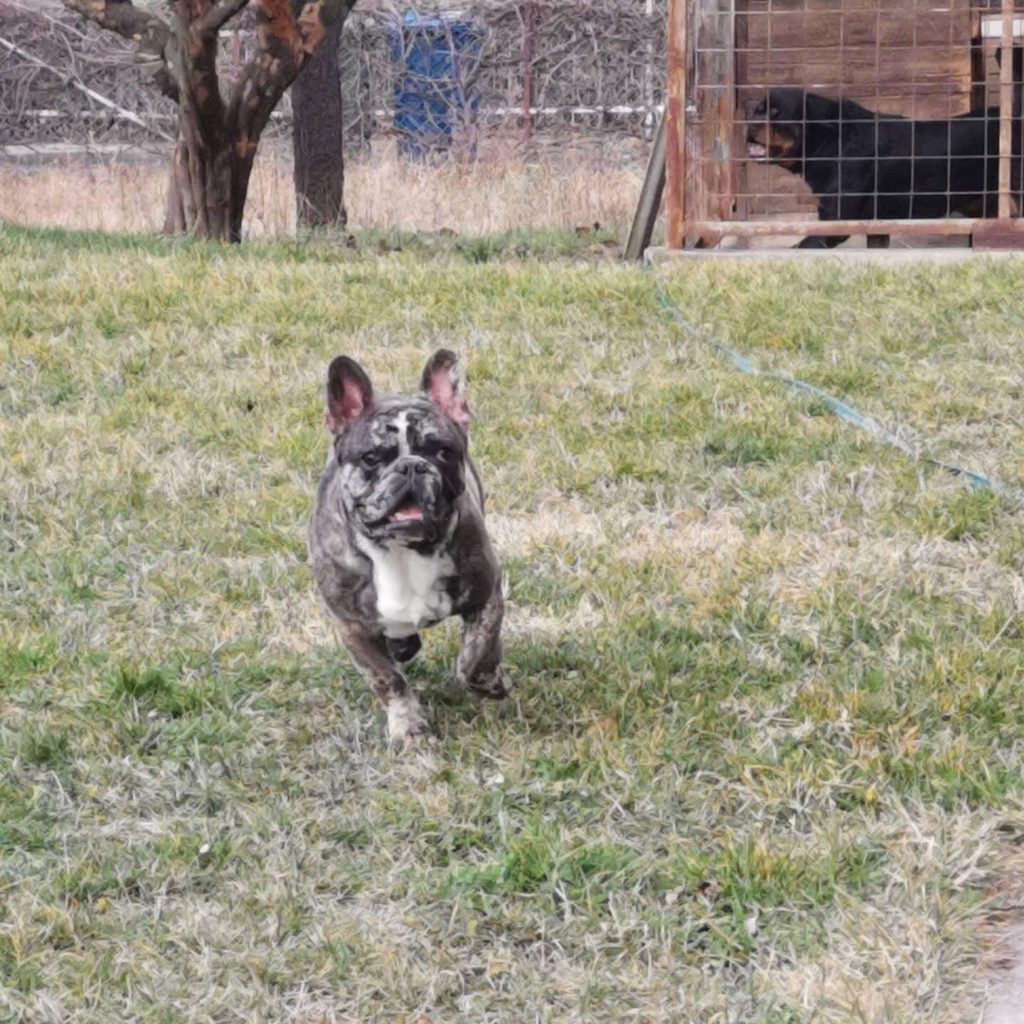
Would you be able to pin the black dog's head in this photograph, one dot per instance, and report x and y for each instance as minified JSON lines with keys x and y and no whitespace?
{"x":789,"y":124}
{"x":402,"y":458}
{"x":775,"y":127}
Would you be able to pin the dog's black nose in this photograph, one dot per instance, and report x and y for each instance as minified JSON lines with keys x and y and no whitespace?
{"x":411,"y":465}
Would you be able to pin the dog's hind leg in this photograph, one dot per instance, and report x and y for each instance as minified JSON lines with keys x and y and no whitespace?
{"x":370,"y":654}
{"x":478,"y":667}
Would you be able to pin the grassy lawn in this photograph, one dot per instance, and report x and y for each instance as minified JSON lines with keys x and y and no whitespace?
{"x":764,"y":759}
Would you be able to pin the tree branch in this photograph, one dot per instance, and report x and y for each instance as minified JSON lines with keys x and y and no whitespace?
{"x":316,"y":20}
{"x":285,"y":42}
{"x":152,"y":34}
{"x":218,"y":15}
{"x":126,"y":20}
{"x":73,"y":80}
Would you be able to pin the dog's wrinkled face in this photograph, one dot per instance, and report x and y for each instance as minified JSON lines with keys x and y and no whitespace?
{"x":775,"y":129}
{"x":402,"y":470}
{"x":402,"y":458}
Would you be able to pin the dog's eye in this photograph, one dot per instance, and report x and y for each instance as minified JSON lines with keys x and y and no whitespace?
{"x":370,"y":459}
{"x":445,"y":455}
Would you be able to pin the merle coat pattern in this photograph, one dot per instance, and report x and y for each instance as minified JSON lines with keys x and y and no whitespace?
{"x":397,"y":537}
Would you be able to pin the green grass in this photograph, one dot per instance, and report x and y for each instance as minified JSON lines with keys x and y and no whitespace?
{"x":763,"y":762}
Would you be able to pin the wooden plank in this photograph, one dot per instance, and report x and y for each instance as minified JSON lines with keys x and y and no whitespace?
{"x":741,"y":72}
{"x":650,"y":198}
{"x":694,"y":183}
{"x":714,"y":96}
{"x":1006,"y":110}
{"x":926,"y":51}
{"x":998,"y":234}
{"x":978,"y":59}
{"x":675,"y":124}
{"x":817,"y":228}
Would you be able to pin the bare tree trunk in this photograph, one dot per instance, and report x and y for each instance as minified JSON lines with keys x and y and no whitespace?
{"x":317,"y":142}
{"x":174,"y":210}
{"x":218,"y":133}
{"x":239,"y":194}
{"x":206,"y":194}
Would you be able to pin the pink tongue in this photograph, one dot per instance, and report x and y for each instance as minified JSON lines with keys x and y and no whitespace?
{"x":408,"y":512}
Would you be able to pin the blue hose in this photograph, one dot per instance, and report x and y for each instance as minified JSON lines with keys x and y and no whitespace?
{"x":833,"y":404}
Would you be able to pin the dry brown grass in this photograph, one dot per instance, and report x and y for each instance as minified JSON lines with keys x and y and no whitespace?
{"x":382,"y":194}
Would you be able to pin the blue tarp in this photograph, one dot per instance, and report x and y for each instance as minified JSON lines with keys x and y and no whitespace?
{"x":433,"y":93}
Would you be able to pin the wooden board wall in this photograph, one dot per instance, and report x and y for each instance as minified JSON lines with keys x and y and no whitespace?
{"x":910,"y":57}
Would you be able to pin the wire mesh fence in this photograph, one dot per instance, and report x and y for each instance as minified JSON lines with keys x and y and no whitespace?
{"x":438,"y":80}
{"x":64,"y":81}
{"x":851,"y":110}
{"x":539,"y":73}
{"x":858,"y":110}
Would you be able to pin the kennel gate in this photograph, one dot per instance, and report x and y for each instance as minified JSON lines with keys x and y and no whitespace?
{"x":922,"y":59}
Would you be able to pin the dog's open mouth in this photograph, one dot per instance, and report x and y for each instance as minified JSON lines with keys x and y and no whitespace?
{"x":757,"y":150}
{"x":406,"y":514}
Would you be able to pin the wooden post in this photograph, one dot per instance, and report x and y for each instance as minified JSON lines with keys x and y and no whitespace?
{"x":650,"y":118}
{"x":978,"y":56}
{"x":715,"y":94}
{"x":675,"y":125}
{"x":740,"y":74}
{"x":650,"y":198}
{"x":1006,"y":66}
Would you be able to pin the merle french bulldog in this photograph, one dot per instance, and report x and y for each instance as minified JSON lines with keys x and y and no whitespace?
{"x":397,"y":537}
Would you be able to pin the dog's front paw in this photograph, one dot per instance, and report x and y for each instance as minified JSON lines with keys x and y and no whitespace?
{"x":406,"y":720}
{"x":491,"y":686}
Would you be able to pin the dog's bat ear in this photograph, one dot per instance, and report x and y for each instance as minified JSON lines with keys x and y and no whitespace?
{"x":349,"y":392}
{"x":442,"y":380}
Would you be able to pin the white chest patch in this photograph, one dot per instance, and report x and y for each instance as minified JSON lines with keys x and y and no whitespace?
{"x":410,"y":588}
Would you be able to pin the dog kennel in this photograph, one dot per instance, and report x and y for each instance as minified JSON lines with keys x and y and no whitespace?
{"x":955,"y":61}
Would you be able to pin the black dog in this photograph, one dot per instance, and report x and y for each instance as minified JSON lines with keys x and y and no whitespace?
{"x":863,"y":165}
